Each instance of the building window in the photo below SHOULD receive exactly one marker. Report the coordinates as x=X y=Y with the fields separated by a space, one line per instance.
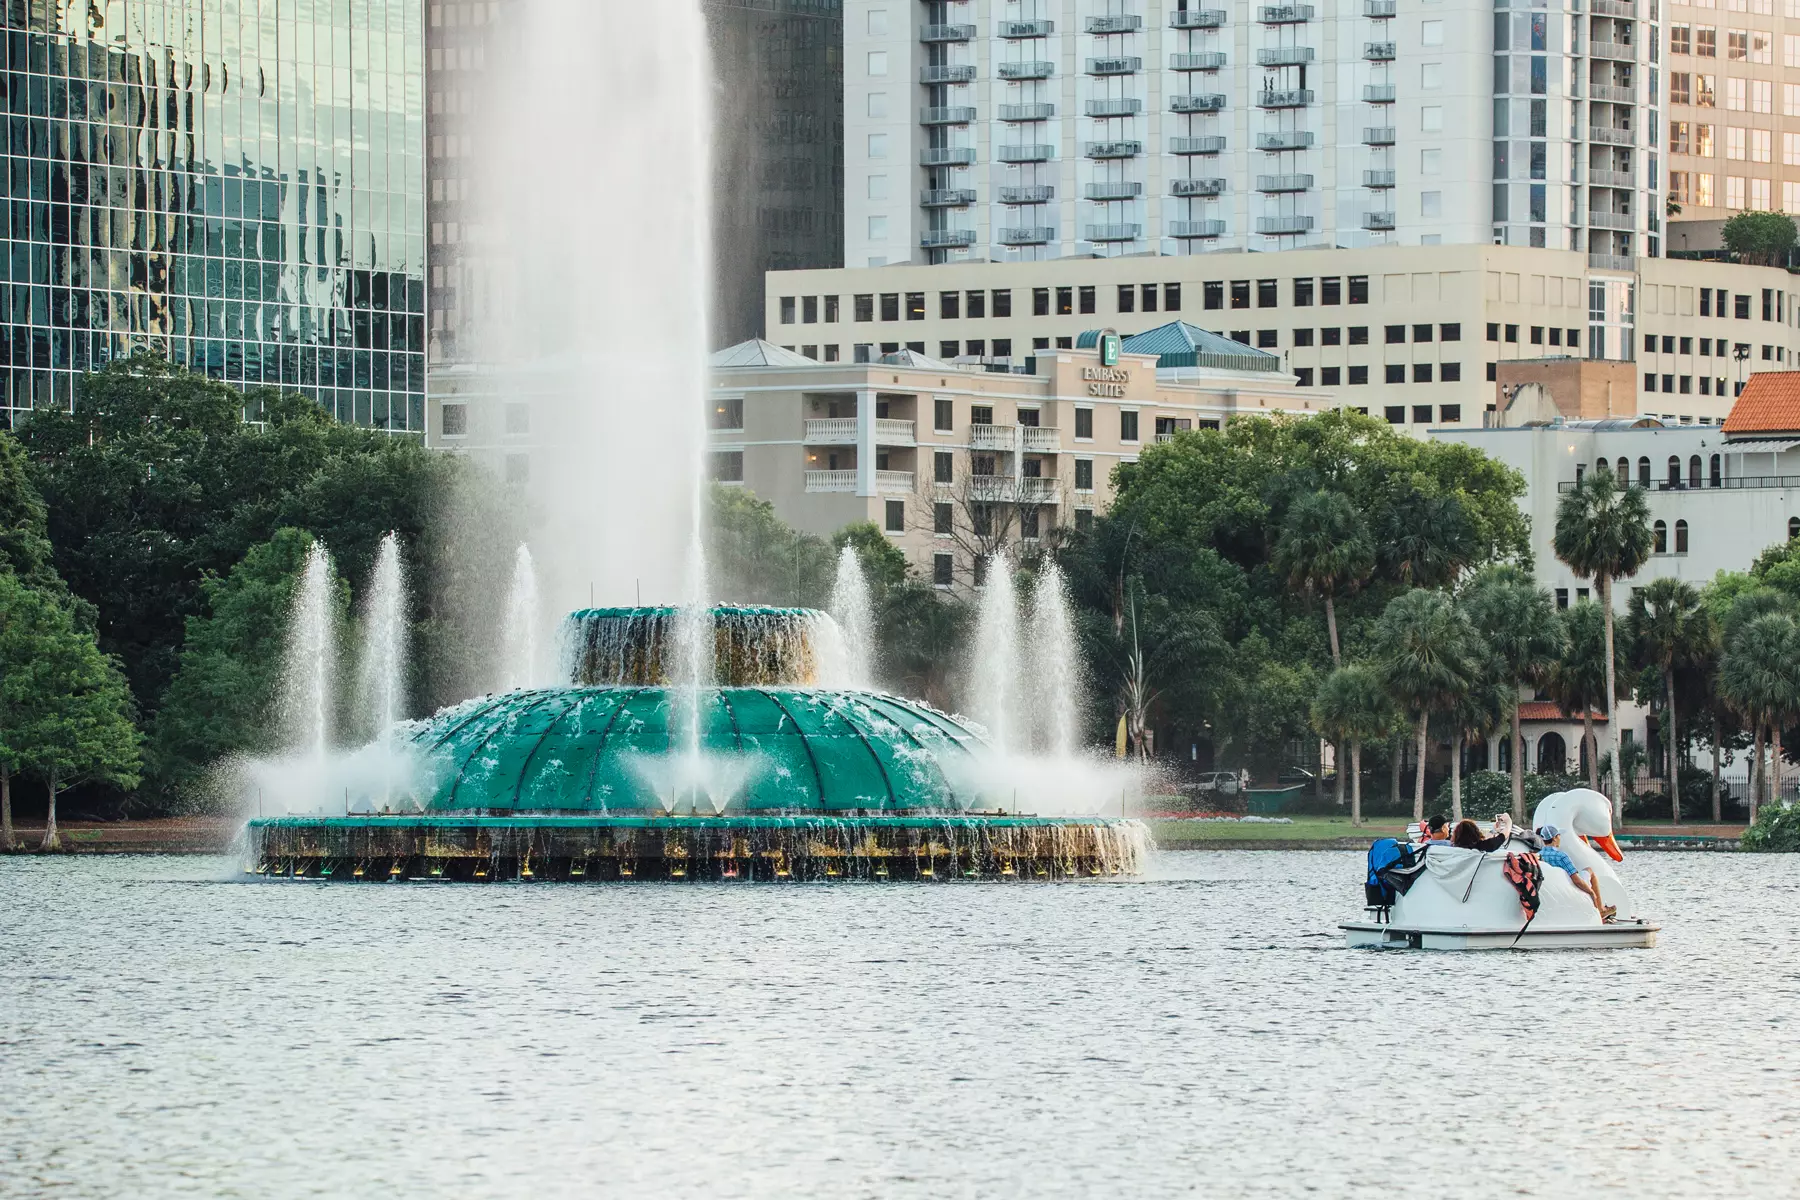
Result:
x=1303 y=376
x=1303 y=293
x=1643 y=472
x=1493 y=372
x=1395 y=414
x=1331 y=290
x=1028 y=523
x=1303 y=337
x=1421 y=414
x=728 y=466
x=947 y=350
x=1562 y=597
x=943 y=521
x=787 y=310
x=1267 y=293
x=981 y=414
x=1450 y=372
x=975 y=303
x=863 y=307
x=1715 y=477
x=1040 y=302
x=1660 y=531
x=1128 y=426
x=1359 y=375
x=1086 y=298
x=1240 y=293
x=896 y=516
x=1396 y=373
x=1065 y=301
x=809 y=310
x=941 y=567
x=1128 y=298
x=890 y=306
x=1331 y=376
x=1493 y=331
x=728 y=413
x=1171 y=297
x=1694 y=471
x=1084 y=520
x=456 y=420
x=1395 y=334
x=1359 y=289
x=1359 y=335
x=1084 y=474
x=1147 y=298
x=915 y=306
x=1084 y=424
x=518 y=468
x=1681 y=537
x=1212 y=294
x=1449 y=333
x=1002 y=298
x=943 y=415
x=1450 y=414
x=949 y=305
x=1674 y=472
x=1267 y=339
x=943 y=466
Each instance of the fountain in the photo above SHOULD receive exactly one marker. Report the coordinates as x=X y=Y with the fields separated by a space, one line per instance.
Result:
x=1056 y=670
x=306 y=683
x=853 y=612
x=518 y=636
x=994 y=666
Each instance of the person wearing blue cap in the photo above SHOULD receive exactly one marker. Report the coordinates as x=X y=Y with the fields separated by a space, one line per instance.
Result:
x=1553 y=856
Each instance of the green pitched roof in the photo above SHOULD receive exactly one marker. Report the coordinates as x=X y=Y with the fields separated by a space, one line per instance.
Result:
x=1179 y=344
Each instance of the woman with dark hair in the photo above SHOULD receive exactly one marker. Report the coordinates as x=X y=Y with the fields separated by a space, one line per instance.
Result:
x=1467 y=835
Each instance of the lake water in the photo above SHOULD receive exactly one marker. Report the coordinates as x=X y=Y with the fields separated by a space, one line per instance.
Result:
x=164 y=1031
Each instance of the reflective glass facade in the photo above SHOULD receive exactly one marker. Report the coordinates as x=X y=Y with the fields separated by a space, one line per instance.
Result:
x=238 y=184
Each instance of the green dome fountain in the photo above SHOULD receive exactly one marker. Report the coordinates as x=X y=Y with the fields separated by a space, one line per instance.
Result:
x=765 y=773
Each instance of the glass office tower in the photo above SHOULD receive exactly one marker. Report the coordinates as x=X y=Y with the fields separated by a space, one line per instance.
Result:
x=236 y=184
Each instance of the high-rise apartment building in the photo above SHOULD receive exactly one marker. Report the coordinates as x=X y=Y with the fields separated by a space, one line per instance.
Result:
x=236 y=184
x=1038 y=129
x=778 y=155
x=1731 y=82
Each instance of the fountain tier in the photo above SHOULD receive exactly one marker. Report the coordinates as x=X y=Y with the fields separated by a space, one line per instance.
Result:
x=752 y=645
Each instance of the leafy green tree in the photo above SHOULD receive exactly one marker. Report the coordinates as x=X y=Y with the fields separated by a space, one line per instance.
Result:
x=1427 y=540
x=1760 y=675
x=222 y=699
x=1473 y=713
x=1759 y=237
x=1667 y=627
x=1576 y=681
x=755 y=557
x=1428 y=654
x=1518 y=621
x=65 y=715
x=883 y=563
x=1603 y=532
x=1353 y=706
x=1324 y=549
x=24 y=523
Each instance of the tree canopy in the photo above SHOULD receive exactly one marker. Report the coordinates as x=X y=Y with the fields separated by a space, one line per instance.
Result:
x=1759 y=237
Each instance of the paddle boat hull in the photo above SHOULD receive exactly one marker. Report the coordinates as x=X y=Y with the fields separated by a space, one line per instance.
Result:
x=1620 y=935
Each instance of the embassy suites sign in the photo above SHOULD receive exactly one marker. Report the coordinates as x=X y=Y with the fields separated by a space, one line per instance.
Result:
x=1106 y=382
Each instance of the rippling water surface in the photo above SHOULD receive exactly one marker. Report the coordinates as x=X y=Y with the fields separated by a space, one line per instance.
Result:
x=164 y=1032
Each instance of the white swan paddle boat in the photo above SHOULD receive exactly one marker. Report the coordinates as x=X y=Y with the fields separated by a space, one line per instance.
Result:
x=1461 y=899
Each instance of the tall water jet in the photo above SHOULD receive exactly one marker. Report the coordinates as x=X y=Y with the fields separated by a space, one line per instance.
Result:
x=311 y=659
x=382 y=683
x=1055 y=664
x=519 y=635
x=994 y=656
x=853 y=611
x=593 y=287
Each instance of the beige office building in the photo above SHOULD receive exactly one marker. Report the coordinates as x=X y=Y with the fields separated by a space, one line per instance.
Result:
x=1413 y=333
x=1732 y=141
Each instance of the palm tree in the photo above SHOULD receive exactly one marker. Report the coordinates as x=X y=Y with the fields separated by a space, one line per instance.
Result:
x=1667 y=627
x=1518 y=621
x=1603 y=532
x=1324 y=549
x=1741 y=686
x=1474 y=713
x=1353 y=706
x=1427 y=541
x=1757 y=677
x=1428 y=654
x=1577 y=680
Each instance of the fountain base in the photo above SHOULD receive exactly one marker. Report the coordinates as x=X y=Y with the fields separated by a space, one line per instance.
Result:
x=584 y=848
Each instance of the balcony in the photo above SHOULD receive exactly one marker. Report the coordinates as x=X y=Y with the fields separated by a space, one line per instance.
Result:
x=1612 y=220
x=1114 y=191
x=1600 y=177
x=993 y=489
x=1608 y=135
x=1283 y=183
x=1615 y=8
x=1612 y=94
x=1129 y=64
x=947 y=156
x=1122 y=149
x=1024 y=153
x=1378 y=179
x=894 y=483
x=1378 y=51
x=1027 y=112
x=1378 y=93
x=960 y=114
x=1196 y=187
x=1612 y=262
x=1378 y=135
x=1378 y=9
x=993 y=437
x=1283 y=226
x=1129 y=231
x=1027 y=29
x=1026 y=235
x=1041 y=439
x=1204 y=103
x=1212 y=144
x=1127 y=106
x=841 y=431
x=943 y=239
x=1378 y=220
x=946 y=33
x=1115 y=23
x=1284 y=139
x=1284 y=14
x=1196 y=229
x=946 y=197
x=1286 y=98
x=831 y=481
x=1036 y=193
x=1037 y=68
x=944 y=73
x=1197 y=18
x=1040 y=491
x=1206 y=60
x=1615 y=51
x=1284 y=56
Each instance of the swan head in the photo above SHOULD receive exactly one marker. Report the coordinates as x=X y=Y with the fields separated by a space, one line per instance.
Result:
x=1583 y=812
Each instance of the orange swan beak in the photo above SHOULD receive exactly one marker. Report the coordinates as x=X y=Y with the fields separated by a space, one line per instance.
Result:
x=1609 y=846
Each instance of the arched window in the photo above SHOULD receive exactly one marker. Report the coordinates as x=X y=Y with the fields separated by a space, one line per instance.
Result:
x=1674 y=472
x=1661 y=530
x=1602 y=465
x=1717 y=472
x=1624 y=472
x=1793 y=528
x=1643 y=472
x=1694 y=471
x=1552 y=754
x=1681 y=537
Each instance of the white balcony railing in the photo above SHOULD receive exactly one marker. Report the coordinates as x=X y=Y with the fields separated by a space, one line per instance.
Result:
x=993 y=489
x=831 y=481
x=894 y=483
x=894 y=433
x=1042 y=439
x=992 y=437
x=831 y=431
x=1040 y=491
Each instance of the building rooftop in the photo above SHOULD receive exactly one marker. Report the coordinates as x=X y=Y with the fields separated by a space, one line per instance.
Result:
x=1769 y=404
x=1179 y=344
x=758 y=353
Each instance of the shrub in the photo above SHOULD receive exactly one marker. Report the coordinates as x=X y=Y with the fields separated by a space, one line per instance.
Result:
x=1777 y=829
x=1759 y=237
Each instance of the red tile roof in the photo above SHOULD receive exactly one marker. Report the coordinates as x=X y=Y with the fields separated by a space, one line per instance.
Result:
x=1770 y=403
x=1546 y=710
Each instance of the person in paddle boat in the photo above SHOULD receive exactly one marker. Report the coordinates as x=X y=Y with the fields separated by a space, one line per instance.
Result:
x=1468 y=837
x=1553 y=856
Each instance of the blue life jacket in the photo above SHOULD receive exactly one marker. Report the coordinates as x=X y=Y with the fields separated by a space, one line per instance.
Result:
x=1393 y=865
